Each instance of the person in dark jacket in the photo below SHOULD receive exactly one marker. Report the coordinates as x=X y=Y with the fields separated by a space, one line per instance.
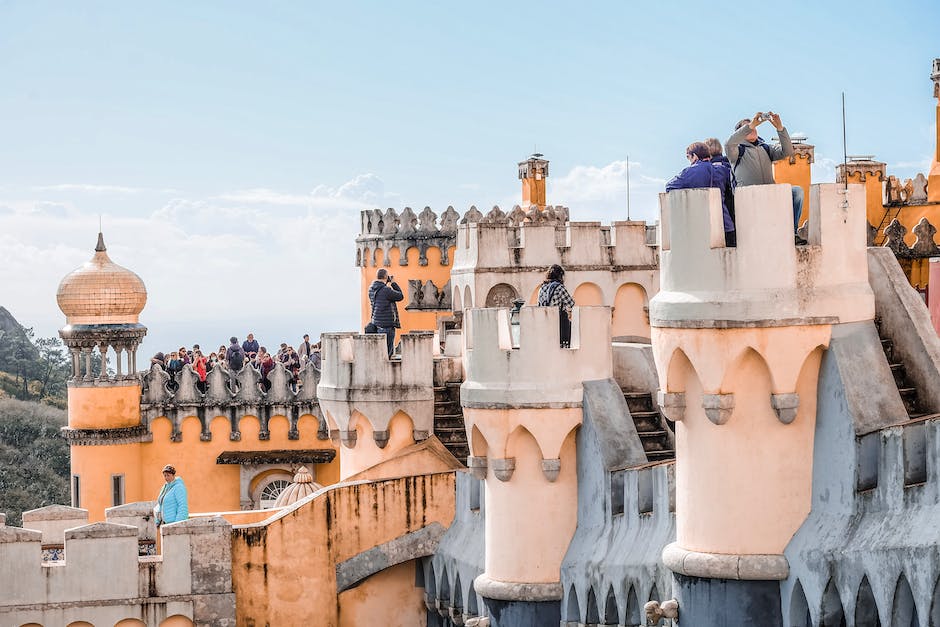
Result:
x=701 y=173
x=721 y=162
x=383 y=294
x=250 y=346
x=235 y=355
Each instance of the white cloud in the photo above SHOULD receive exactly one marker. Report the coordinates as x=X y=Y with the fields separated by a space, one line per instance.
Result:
x=93 y=188
x=213 y=266
x=599 y=192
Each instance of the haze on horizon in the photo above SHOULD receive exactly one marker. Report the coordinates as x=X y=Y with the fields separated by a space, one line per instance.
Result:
x=229 y=147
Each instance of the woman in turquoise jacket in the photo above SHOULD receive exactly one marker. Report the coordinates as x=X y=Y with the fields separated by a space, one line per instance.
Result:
x=172 y=505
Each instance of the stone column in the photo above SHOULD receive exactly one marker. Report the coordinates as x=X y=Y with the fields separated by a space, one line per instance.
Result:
x=117 y=359
x=87 y=352
x=76 y=363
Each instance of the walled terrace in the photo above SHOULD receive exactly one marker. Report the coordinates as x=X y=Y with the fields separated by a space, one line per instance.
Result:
x=67 y=571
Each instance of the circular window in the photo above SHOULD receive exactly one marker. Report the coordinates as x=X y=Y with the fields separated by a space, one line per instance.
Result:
x=271 y=491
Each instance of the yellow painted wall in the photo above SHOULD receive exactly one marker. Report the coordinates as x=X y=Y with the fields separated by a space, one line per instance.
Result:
x=284 y=571
x=104 y=407
x=366 y=453
x=434 y=271
x=388 y=598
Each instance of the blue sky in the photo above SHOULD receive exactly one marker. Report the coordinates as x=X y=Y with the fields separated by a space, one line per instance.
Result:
x=229 y=146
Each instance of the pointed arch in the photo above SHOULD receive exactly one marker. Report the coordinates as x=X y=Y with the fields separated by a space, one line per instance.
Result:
x=632 y=615
x=611 y=611
x=430 y=581
x=478 y=442
x=631 y=312
x=866 y=608
x=904 y=609
x=456 y=598
x=587 y=294
x=746 y=364
x=799 y=608
x=654 y=594
x=473 y=606
x=520 y=440
x=572 y=608
x=593 y=615
x=444 y=588
x=467 y=297
x=679 y=370
x=457 y=300
x=832 y=613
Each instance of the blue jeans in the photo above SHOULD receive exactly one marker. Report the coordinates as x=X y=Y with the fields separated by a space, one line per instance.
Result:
x=797 y=205
x=389 y=337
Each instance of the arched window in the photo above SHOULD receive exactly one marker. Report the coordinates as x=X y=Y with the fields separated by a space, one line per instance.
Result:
x=832 y=613
x=611 y=613
x=904 y=613
x=572 y=609
x=799 y=609
x=271 y=491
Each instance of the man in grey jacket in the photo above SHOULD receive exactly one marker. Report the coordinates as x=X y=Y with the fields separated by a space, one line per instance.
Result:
x=752 y=158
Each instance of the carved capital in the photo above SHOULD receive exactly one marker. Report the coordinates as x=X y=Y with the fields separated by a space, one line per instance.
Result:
x=551 y=468
x=503 y=467
x=672 y=404
x=786 y=406
x=477 y=466
x=718 y=407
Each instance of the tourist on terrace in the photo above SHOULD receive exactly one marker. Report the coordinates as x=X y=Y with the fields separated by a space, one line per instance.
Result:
x=383 y=294
x=721 y=163
x=304 y=350
x=701 y=173
x=160 y=359
x=752 y=159
x=200 y=365
x=185 y=357
x=173 y=368
x=553 y=293
x=172 y=503
x=265 y=365
x=234 y=355
x=250 y=347
x=315 y=356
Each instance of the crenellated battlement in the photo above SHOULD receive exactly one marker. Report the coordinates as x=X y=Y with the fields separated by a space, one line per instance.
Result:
x=533 y=370
x=358 y=377
x=383 y=231
x=540 y=239
x=102 y=565
x=898 y=466
x=766 y=280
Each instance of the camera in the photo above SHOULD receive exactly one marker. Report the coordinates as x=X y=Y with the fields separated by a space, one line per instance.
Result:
x=389 y=279
x=765 y=117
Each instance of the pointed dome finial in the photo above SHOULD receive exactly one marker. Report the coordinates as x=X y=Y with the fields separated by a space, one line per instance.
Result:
x=100 y=247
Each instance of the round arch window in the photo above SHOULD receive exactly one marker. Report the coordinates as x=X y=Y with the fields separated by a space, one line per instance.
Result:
x=271 y=491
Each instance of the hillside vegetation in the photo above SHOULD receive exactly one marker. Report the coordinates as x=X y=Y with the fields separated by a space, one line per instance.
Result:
x=34 y=457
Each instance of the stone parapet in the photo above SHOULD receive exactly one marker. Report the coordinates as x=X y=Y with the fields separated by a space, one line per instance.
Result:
x=382 y=231
x=534 y=372
x=103 y=581
x=224 y=394
x=765 y=281
x=53 y=520
x=358 y=377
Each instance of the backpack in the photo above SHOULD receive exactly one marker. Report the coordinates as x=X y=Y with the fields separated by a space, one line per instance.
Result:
x=741 y=149
x=547 y=301
x=236 y=357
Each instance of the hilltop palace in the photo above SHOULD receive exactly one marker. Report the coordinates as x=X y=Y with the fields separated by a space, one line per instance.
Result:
x=741 y=436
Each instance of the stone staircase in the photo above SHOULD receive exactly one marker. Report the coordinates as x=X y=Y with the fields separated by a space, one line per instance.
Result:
x=906 y=389
x=448 y=420
x=651 y=426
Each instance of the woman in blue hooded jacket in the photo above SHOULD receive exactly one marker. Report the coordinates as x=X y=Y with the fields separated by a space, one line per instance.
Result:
x=172 y=504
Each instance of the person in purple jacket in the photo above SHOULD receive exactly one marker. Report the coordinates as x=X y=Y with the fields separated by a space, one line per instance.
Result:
x=701 y=173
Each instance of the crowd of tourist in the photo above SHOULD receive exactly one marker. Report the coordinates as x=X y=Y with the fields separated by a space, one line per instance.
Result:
x=235 y=356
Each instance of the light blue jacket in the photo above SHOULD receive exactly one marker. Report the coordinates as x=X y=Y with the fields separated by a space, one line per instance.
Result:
x=174 y=505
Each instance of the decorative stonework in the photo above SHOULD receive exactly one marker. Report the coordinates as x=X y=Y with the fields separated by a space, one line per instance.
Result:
x=786 y=406
x=718 y=407
x=924 y=246
x=426 y=296
x=863 y=167
x=93 y=437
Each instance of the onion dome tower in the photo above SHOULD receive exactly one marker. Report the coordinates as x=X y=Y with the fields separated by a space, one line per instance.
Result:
x=302 y=487
x=102 y=302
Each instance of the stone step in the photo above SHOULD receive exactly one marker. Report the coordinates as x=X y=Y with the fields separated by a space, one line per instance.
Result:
x=449 y=424
x=447 y=409
x=658 y=456
x=900 y=374
x=651 y=434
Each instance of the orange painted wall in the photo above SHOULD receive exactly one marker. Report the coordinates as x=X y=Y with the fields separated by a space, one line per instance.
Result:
x=96 y=464
x=388 y=598
x=874 y=208
x=366 y=453
x=434 y=271
x=933 y=178
x=211 y=487
x=284 y=571
x=104 y=407
x=796 y=173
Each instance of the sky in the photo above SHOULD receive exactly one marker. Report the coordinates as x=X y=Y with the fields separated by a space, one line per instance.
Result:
x=227 y=148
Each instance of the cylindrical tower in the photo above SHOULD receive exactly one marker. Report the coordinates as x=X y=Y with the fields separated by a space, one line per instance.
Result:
x=102 y=302
x=738 y=335
x=522 y=406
